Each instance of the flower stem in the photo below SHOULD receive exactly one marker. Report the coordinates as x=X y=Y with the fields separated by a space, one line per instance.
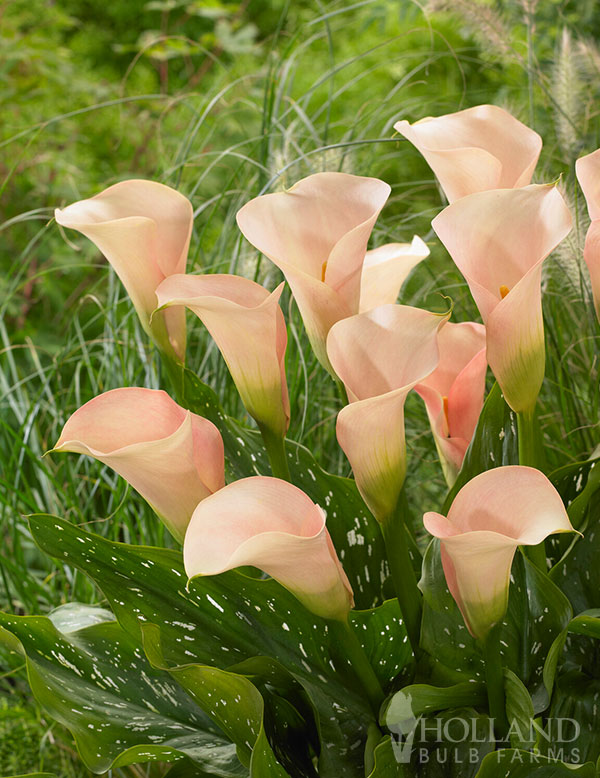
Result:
x=531 y=455
x=344 y=634
x=275 y=448
x=395 y=535
x=494 y=676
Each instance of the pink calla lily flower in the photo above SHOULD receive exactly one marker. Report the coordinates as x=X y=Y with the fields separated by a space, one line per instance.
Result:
x=143 y=229
x=171 y=456
x=385 y=269
x=316 y=233
x=499 y=240
x=380 y=356
x=491 y=516
x=247 y=325
x=453 y=393
x=588 y=175
x=479 y=148
x=272 y=525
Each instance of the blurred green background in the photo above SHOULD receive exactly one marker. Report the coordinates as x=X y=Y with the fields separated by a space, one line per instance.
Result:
x=225 y=100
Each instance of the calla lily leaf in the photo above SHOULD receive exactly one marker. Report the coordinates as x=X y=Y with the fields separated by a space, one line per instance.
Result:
x=97 y=683
x=420 y=699
x=264 y=764
x=226 y=619
x=230 y=699
x=578 y=573
x=579 y=654
x=519 y=711
x=386 y=764
x=575 y=704
x=355 y=533
x=514 y=763
x=73 y=616
x=536 y=601
x=494 y=443
x=577 y=483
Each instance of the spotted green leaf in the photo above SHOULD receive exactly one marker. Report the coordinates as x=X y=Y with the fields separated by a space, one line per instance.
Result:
x=386 y=764
x=230 y=699
x=579 y=652
x=519 y=711
x=97 y=682
x=576 y=709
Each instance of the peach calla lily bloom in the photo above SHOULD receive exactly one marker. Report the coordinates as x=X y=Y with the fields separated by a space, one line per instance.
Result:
x=385 y=269
x=380 y=356
x=171 y=456
x=247 y=324
x=143 y=228
x=588 y=175
x=479 y=148
x=316 y=233
x=491 y=516
x=272 y=525
x=453 y=393
x=499 y=240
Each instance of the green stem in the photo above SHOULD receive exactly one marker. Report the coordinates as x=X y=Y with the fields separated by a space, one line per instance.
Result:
x=531 y=455
x=275 y=448
x=494 y=676
x=350 y=646
x=395 y=535
x=528 y=435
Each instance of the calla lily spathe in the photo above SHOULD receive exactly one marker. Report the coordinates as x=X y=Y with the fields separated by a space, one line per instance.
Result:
x=143 y=229
x=380 y=356
x=491 y=516
x=499 y=240
x=385 y=269
x=171 y=456
x=272 y=525
x=588 y=175
x=316 y=233
x=247 y=325
x=453 y=393
x=479 y=148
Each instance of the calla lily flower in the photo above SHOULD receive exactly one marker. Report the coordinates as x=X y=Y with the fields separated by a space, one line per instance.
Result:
x=247 y=324
x=479 y=148
x=316 y=233
x=272 y=525
x=491 y=516
x=380 y=356
x=143 y=229
x=171 y=456
x=385 y=269
x=453 y=393
x=588 y=174
x=499 y=240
